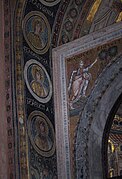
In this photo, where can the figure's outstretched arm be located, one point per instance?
(93, 63)
(90, 66)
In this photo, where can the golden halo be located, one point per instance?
(37, 20)
(35, 69)
(41, 120)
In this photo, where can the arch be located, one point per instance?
(106, 133)
(90, 130)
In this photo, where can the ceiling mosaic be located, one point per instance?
(39, 26)
(82, 17)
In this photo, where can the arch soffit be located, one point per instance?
(92, 122)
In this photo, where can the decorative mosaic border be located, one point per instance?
(8, 87)
(21, 139)
(69, 20)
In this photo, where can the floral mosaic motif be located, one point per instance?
(36, 30)
(41, 133)
(42, 167)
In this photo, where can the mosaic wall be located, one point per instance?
(8, 89)
(41, 25)
(34, 89)
(82, 73)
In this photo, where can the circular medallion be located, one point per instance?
(36, 30)
(41, 133)
(73, 13)
(65, 38)
(49, 2)
(38, 81)
(68, 26)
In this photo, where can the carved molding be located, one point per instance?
(92, 122)
(60, 55)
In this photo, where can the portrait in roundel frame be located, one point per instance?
(38, 81)
(36, 30)
(41, 133)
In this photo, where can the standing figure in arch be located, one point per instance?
(78, 83)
